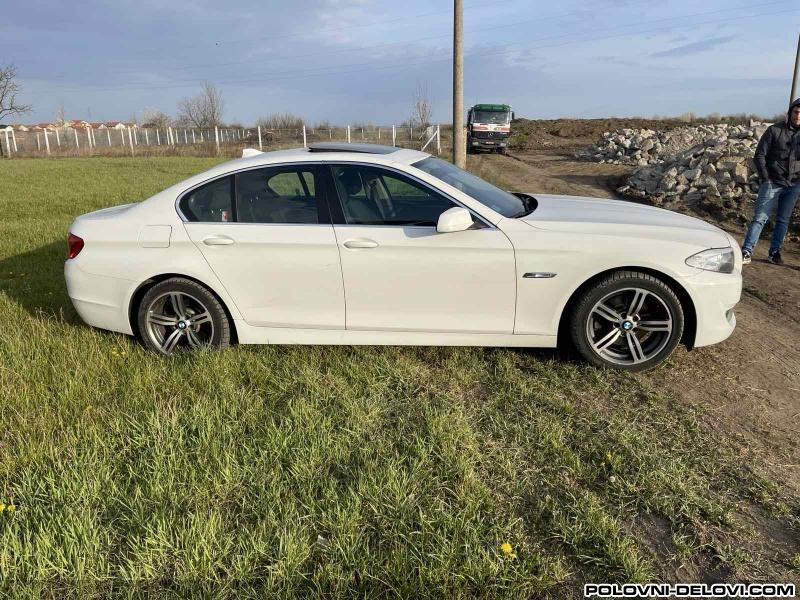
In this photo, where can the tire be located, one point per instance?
(629, 320)
(178, 315)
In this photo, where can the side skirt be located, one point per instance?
(284, 335)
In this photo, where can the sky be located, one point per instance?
(361, 61)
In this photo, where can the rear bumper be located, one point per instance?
(99, 300)
(714, 295)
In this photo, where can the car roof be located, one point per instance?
(492, 107)
(327, 151)
(348, 147)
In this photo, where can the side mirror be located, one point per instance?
(454, 219)
(512, 116)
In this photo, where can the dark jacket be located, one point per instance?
(777, 156)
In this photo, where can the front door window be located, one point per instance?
(372, 196)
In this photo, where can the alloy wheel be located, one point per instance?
(177, 321)
(629, 326)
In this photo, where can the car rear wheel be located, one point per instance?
(179, 315)
(628, 320)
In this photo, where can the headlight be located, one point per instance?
(720, 260)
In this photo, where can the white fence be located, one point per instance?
(143, 140)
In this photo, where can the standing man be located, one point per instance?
(777, 160)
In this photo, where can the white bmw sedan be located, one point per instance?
(366, 244)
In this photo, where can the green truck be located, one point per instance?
(488, 127)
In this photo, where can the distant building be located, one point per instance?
(120, 125)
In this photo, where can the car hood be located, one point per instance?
(601, 216)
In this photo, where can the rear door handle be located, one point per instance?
(360, 243)
(218, 240)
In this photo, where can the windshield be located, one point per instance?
(484, 192)
(490, 116)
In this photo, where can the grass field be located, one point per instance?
(337, 471)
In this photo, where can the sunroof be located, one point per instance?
(345, 147)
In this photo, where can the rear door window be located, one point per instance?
(278, 195)
(209, 203)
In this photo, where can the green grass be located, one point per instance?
(331, 471)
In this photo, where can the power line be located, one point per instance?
(479, 3)
(324, 71)
(426, 38)
(340, 50)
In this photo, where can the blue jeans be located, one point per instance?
(772, 197)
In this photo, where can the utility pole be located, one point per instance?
(459, 143)
(794, 76)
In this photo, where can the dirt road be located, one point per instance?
(750, 384)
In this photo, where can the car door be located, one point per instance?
(400, 274)
(267, 235)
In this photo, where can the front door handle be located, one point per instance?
(360, 243)
(218, 240)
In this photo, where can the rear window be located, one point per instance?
(210, 203)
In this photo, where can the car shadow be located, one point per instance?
(35, 281)
(564, 353)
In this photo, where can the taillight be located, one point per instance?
(74, 245)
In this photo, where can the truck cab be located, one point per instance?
(488, 127)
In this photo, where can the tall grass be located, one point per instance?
(334, 471)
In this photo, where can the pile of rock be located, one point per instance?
(708, 169)
(649, 147)
(717, 177)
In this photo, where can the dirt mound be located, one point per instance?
(568, 134)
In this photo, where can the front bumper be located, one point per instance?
(488, 143)
(714, 295)
(496, 141)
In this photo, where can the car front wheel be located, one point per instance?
(179, 315)
(628, 320)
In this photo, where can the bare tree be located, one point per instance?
(281, 121)
(61, 116)
(421, 114)
(203, 110)
(8, 93)
(155, 119)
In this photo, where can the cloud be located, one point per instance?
(524, 58)
(694, 47)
